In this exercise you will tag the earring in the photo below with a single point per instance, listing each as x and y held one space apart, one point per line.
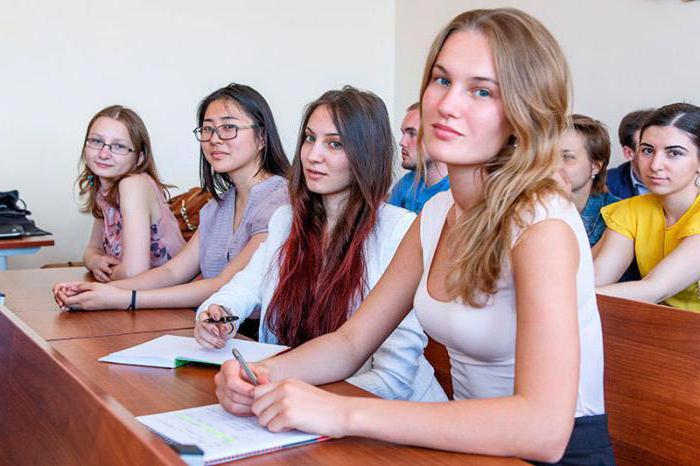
593 176
513 141
91 180
697 182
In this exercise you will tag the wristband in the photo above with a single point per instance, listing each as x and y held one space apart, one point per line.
132 306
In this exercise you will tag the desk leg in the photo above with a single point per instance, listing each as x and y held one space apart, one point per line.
4 253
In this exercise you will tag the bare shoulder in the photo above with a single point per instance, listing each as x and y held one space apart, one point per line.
546 240
138 186
136 192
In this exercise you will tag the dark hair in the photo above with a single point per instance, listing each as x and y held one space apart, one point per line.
630 124
318 285
413 106
597 142
273 159
685 117
89 184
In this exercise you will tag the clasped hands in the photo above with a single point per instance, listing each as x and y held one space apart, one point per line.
90 296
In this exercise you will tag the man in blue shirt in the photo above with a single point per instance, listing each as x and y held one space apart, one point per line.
625 181
408 193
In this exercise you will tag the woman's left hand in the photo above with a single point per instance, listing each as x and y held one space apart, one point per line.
292 404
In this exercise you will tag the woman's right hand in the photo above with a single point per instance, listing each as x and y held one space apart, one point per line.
102 266
233 388
213 336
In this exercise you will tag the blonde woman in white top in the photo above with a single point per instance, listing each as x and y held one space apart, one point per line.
499 268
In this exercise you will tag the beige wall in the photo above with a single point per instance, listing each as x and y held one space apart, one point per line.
624 54
63 61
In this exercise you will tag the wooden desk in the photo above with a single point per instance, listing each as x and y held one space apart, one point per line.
29 297
146 390
20 246
62 406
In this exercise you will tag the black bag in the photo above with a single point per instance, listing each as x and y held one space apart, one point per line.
13 217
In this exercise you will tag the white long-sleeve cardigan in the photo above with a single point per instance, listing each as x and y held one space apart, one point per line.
398 369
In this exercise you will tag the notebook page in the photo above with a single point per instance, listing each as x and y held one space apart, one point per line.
165 350
251 350
220 435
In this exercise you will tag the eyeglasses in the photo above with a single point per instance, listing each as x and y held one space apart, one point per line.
225 132
115 148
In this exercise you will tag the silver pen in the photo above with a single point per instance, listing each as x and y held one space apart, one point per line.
239 357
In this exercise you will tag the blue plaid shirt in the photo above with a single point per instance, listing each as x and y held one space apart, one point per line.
592 220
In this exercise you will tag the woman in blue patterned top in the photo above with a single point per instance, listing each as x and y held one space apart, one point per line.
585 156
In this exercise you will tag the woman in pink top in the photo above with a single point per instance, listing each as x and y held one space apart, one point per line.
134 229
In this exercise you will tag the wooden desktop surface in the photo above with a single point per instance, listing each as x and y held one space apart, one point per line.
148 390
51 375
28 295
26 242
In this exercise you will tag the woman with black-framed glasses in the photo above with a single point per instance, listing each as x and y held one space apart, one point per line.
244 167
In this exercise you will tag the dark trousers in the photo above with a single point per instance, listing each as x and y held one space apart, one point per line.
589 444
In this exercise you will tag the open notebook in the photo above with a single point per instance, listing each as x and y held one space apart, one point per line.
172 351
221 435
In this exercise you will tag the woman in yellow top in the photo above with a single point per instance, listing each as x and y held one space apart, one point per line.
660 229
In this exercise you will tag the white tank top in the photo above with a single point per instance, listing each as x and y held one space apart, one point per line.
481 341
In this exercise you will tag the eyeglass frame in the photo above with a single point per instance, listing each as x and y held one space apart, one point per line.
104 144
215 130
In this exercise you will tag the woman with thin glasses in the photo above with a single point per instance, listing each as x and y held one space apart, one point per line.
133 229
243 166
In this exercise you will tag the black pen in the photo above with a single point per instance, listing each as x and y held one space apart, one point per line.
227 319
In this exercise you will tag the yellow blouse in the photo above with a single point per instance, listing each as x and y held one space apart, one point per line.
641 218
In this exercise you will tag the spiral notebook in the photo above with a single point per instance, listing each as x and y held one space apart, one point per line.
220 435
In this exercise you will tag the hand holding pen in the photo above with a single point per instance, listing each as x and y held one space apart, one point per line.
236 383
214 326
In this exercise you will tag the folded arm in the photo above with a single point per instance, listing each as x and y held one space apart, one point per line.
672 275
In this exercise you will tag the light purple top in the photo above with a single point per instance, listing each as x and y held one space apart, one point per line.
166 238
218 242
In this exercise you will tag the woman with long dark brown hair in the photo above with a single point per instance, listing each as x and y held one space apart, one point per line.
328 249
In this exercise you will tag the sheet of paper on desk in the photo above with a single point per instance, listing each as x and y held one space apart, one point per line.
172 351
221 435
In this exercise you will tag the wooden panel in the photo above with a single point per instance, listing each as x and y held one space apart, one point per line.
144 390
29 297
27 242
52 415
652 382
437 356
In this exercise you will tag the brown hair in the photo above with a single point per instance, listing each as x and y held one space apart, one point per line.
681 115
89 184
631 123
318 286
597 143
534 79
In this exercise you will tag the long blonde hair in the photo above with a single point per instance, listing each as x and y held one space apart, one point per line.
535 88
